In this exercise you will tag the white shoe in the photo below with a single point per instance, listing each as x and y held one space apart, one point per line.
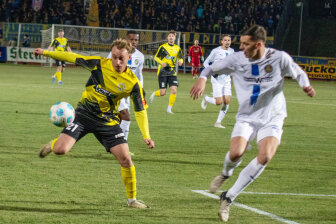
169 111
138 204
152 97
204 103
224 209
217 182
218 125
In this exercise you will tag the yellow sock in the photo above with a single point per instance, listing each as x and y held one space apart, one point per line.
129 179
172 99
157 93
53 143
58 75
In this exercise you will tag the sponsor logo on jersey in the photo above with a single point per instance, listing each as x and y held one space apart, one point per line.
259 80
103 91
170 58
269 68
121 86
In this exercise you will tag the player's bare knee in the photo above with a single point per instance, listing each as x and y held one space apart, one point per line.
126 161
60 149
162 92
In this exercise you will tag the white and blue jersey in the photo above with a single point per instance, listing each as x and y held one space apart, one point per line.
221 83
259 83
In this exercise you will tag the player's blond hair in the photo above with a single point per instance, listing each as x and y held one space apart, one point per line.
172 32
225 35
122 44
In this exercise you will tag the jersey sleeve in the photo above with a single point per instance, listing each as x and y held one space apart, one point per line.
139 69
140 110
224 66
159 56
67 44
190 51
180 55
209 59
88 62
52 43
201 52
290 68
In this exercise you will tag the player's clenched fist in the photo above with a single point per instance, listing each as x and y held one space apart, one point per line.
38 51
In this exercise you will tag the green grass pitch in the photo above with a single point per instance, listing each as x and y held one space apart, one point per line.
85 185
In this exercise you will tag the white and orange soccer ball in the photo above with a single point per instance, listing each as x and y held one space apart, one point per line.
62 114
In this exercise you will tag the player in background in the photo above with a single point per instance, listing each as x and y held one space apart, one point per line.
136 65
221 83
60 43
167 56
97 112
258 76
195 55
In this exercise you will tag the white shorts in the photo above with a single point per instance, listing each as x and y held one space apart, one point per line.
249 130
221 87
124 104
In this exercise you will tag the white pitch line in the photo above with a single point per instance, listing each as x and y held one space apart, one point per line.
292 194
260 212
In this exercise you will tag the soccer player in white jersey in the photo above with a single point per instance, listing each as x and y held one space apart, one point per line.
221 83
136 65
258 76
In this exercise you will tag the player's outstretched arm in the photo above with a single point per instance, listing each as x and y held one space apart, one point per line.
309 90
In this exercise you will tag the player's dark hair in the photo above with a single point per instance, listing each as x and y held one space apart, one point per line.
131 32
60 30
121 44
256 33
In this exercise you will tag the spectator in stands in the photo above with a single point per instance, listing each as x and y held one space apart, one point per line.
26 41
144 14
200 12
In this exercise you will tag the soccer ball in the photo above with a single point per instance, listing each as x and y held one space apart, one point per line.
62 114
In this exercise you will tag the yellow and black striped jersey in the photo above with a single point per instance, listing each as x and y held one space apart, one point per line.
105 88
168 54
59 44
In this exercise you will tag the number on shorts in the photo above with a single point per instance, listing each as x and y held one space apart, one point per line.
255 94
72 127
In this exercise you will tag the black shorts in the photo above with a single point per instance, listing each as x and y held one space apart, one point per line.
164 80
60 63
107 135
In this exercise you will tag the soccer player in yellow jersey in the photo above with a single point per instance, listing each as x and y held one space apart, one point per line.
168 55
60 43
97 111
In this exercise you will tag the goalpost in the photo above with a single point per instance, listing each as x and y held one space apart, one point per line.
88 40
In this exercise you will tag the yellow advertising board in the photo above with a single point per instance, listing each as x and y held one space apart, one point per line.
318 68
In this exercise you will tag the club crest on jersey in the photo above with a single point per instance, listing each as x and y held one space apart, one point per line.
121 87
268 69
136 61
